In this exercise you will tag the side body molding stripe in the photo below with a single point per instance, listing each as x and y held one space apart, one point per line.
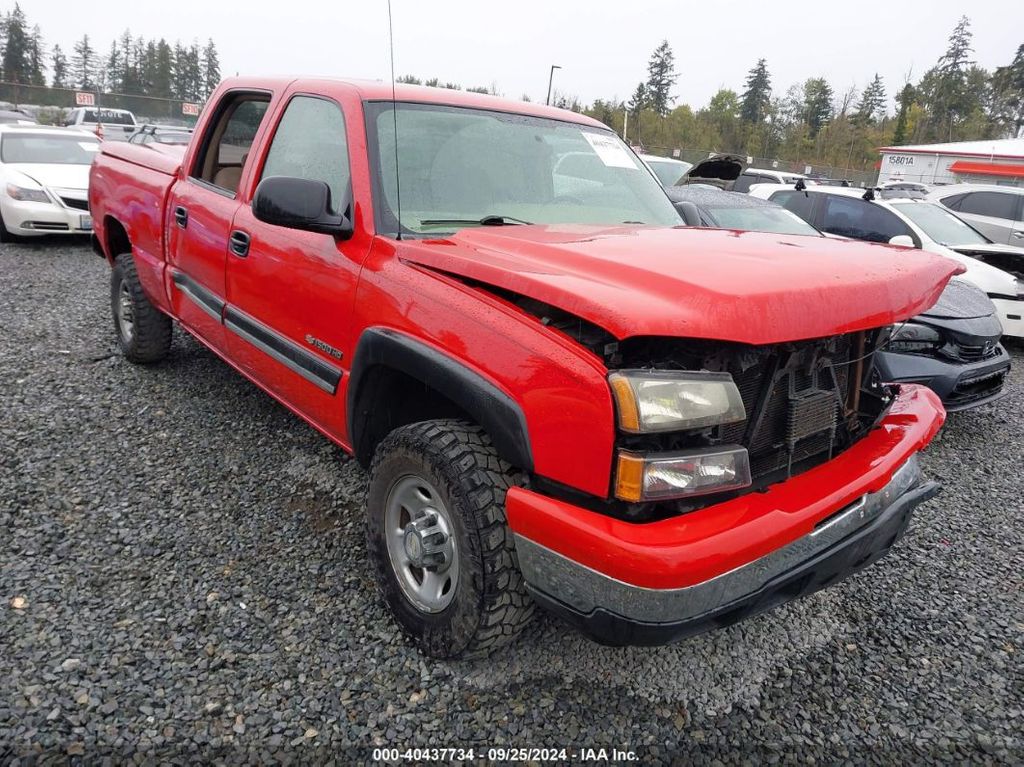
267 340
285 351
202 297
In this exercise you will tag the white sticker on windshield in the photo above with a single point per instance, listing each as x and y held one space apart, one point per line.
90 146
610 150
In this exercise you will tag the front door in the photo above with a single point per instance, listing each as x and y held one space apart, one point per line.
201 212
290 292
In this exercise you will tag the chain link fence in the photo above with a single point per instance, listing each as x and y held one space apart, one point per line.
50 106
856 177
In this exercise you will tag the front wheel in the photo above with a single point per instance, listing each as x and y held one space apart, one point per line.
439 542
143 331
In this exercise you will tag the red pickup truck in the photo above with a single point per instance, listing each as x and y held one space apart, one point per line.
563 397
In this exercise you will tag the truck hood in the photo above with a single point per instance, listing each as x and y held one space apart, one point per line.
54 175
749 287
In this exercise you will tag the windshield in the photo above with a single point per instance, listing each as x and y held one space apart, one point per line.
110 116
460 167
939 224
776 220
56 150
669 173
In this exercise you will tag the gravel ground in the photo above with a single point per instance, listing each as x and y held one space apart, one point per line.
183 577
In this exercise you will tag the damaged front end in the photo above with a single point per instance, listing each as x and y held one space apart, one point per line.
804 402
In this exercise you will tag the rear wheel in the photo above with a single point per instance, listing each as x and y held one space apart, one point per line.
143 331
438 539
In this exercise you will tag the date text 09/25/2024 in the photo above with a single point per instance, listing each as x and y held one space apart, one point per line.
504 754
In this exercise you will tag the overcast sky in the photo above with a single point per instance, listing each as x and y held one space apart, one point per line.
602 47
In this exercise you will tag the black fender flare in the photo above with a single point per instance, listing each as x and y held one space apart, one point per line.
495 411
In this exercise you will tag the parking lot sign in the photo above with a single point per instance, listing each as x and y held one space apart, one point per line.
191 110
85 99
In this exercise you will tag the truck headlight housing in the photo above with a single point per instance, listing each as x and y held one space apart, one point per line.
666 476
912 337
655 401
22 194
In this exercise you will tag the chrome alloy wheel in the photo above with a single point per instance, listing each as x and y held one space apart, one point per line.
125 313
421 544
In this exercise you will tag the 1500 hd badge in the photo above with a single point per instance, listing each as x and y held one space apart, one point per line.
324 347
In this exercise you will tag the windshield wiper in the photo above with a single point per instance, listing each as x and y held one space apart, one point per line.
492 220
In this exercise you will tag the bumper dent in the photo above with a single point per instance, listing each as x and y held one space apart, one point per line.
585 591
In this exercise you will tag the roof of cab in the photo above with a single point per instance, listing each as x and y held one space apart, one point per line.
380 90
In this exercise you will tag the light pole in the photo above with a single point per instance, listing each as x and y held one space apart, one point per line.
551 78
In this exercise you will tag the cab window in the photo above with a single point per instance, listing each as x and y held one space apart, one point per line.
796 202
311 143
856 218
228 140
994 204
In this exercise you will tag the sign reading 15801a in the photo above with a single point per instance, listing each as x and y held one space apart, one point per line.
901 159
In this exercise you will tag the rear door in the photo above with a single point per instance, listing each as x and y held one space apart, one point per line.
202 208
290 292
995 214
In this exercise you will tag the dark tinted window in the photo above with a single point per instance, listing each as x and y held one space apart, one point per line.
853 217
745 181
953 202
795 202
995 204
310 143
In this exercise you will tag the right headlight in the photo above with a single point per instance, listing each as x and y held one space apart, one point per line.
656 401
912 337
22 194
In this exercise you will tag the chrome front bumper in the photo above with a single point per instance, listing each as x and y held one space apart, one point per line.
821 557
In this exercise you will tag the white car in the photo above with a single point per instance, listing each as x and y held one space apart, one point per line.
995 211
752 176
668 170
44 181
907 219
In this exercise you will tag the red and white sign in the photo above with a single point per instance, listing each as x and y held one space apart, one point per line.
192 110
85 99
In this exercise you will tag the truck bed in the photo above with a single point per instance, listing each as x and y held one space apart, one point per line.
130 184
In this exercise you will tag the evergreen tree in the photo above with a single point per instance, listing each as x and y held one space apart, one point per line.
905 101
179 68
16 48
408 80
59 63
637 104
944 88
36 57
113 72
147 67
817 104
661 76
757 97
161 80
1008 95
211 68
83 64
872 102
128 80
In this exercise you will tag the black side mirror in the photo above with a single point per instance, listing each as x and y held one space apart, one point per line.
689 212
300 203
